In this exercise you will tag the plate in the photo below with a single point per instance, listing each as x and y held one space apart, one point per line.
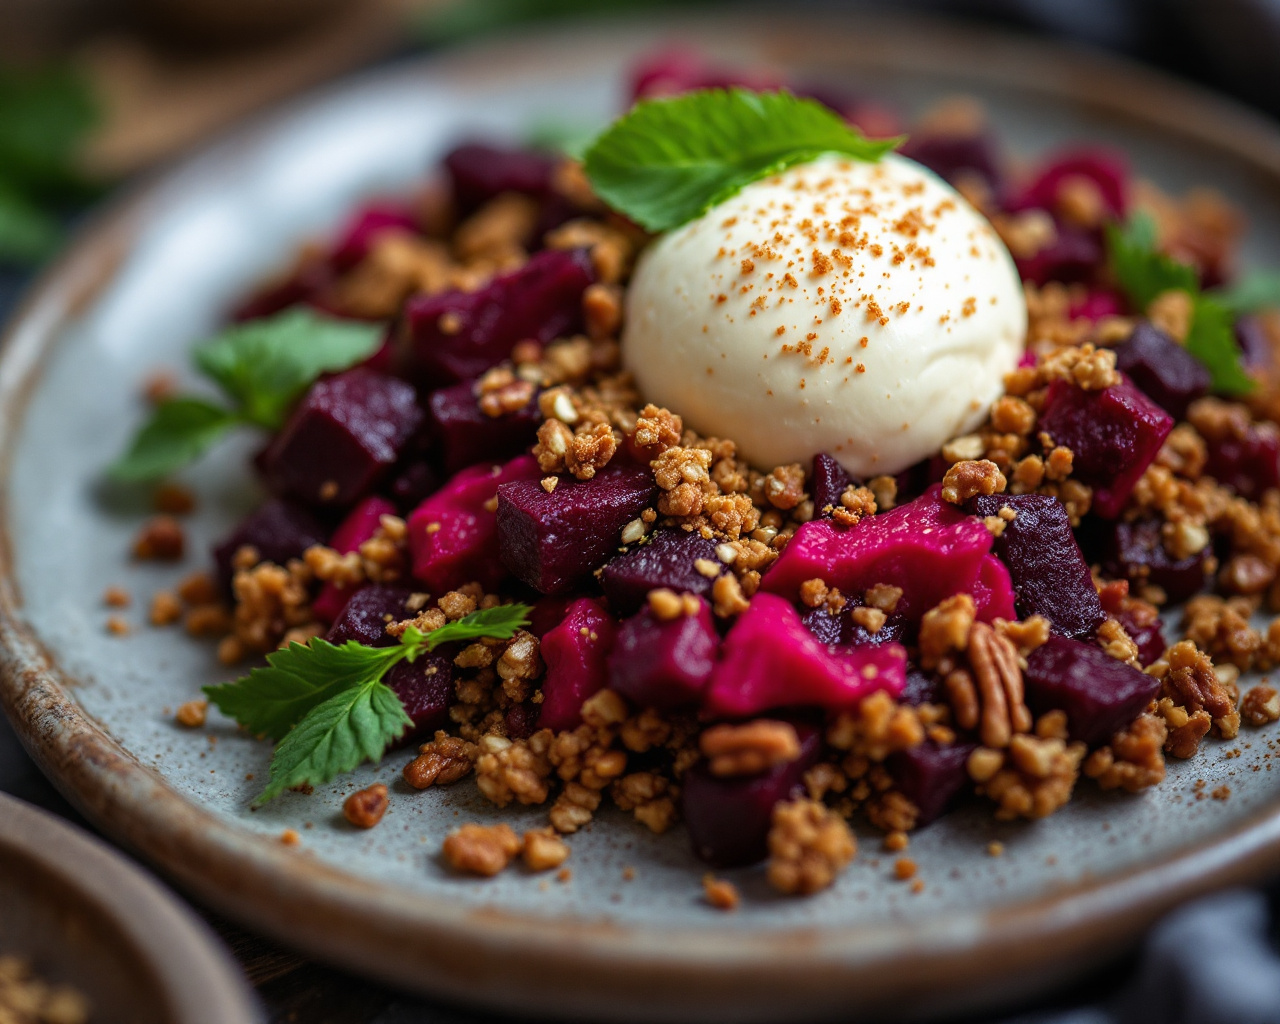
84 916
158 271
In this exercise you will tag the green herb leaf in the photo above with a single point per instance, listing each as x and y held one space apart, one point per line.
44 117
1141 270
351 727
28 233
1212 341
272 700
1257 290
265 365
500 622
179 431
669 160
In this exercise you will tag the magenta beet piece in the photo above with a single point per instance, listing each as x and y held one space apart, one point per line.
1049 572
358 235
575 653
478 172
278 530
464 435
310 280
345 433
930 776
664 665
992 592
459 335
1114 433
1095 305
554 541
676 69
361 524
1162 369
827 482
666 559
1136 552
548 612
928 547
453 535
728 818
770 660
1249 464
1106 168
413 485
1099 694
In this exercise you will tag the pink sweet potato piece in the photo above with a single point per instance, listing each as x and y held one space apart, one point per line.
361 524
575 653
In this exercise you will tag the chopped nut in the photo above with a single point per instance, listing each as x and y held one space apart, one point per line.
443 761
161 538
809 845
481 850
365 807
883 597
165 609
945 629
969 478
117 625
749 748
544 850
1260 706
720 893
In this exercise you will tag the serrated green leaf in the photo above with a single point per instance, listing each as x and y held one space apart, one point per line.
668 161
1141 271
1212 341
179 431
500 622
1257 290
336 736
272 700
265 365
44 117
28 234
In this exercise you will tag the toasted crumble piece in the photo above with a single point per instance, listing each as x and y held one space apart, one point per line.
970 478
649 798
1036 778
117 625
574 807
732 514
1012 415
1026 635
727 597
543 850
602 310
1192 683
173 499
199 588
509 770
457 604
784 486
117 597
995 848
443 761
165 610
1171 311
1134 759
161 538
870 619
290 837
1185 729
892 811
481 849
159 385
750 748
809 845
904 868
856 503
945 629
657 429
883 597
720 893
192 714
896 841
878 727
1260 706
365 807
1117 643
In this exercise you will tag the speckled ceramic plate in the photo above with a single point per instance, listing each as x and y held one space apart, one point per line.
156 273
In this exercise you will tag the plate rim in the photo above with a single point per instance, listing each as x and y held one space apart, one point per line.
573 965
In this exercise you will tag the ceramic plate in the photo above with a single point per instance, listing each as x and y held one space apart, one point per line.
158 272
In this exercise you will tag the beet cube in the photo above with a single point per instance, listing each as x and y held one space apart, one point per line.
575 653
464 435
922 688
729 818
364 617
554 541
362 522
827 628
359 234
413 485
930 776
459 335
1074 256
1114 434
1249 463
1106 169
827 482
1136 552
992 591
453 535
1048 570
665 559
1162 369
278 530
1099 694
479 172
664 665
347 431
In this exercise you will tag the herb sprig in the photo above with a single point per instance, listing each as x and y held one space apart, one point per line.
326 705
262 367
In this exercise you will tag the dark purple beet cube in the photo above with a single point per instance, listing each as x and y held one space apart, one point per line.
665 559
1050 575
361 232
1136 552
1162 369
1114 433
347 431
425 688
464 435
522 720
830 629
930 776
413 485
895 630
827 482
1149 638
1254 343
478 172
459 335
922 688
1107 169
1099 694
664 665
367 613
278 530
729 818
1075 255
1248 464
554 541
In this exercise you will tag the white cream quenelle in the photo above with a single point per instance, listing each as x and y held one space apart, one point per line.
865 310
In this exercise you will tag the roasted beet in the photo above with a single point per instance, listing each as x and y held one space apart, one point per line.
413 485
463 435
922 688
1074 255
575 653
522 720
1136 552
1114 434
277 530
346 432
955 157
364 617
478 172
453 535
1162 369
930 775
1254 342
1099 694
827 482
357 237
770 660
827 627
1106 169
1049 573
554 540
677 69
1248 463
361 524
664 664
1149 637
1096 304
549 612
665 559
992 591
929 548
459 335
729 817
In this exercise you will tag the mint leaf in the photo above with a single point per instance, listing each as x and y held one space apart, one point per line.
670 160
44 117
1141 271
272 700
265 365
335 736
1257 290
179 431
27 233
1212 340
500 622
